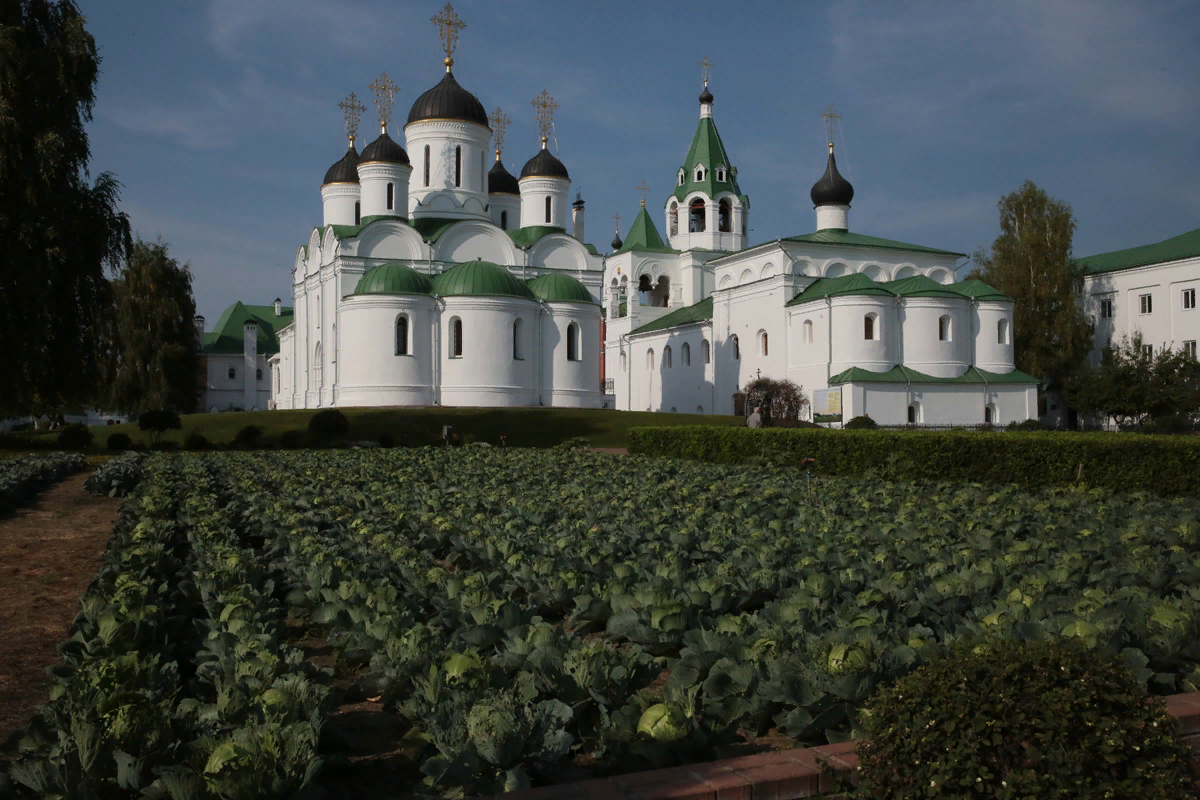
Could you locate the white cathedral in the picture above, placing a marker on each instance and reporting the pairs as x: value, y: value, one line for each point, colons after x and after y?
x: 435, y: 280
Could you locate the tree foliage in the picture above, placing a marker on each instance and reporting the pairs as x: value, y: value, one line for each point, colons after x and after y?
x: 154, y: 356
x: 158, y: 422
x: 1135, y: 383
x: 1031, y: 262
x: 59, y: 230
x: 779, y: 400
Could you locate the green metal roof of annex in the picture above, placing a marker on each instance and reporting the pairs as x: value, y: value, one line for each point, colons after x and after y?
x: 1185, y: 245
x: 902, y: 374
x: 919, y: 286
x: 226, y: 337
x: 854, y: 283
x: 841, y: 237
x: 978, y: 290
x: 393, y: 279
x: 480, y: 278
x: 688, y: 315
x: 559, y: 288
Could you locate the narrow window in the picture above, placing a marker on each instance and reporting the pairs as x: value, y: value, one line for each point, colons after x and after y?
x: 547, y: 210
x: 1148, y: 350
x: 391, y: 196
x: 674, y: 217
x: 573, y: 342
x: 456, y: 338
x: 426, y: 165
x: 503, y: 220
x: 685, y: 353
x: 944, y: 328
x: 707, y: 351
x: 458, y: 166
x: 681, y: 177
x: 1002, y: 332
x: 699, y: 173
x: 482, y: 171
x: 258, y: 374
x: 914, y: 413
x: 987, y: 415
x: 1189, y: 347
x: 667, y: 357
x: 650, y: 359
x: 357, y: 214
x: 737, y: 350
x: 623, y: 364
x: 762, y: 343
x: 232, y: 373
x: 1106, y: 309
x: 1189, y: 299
x: 808, y: 331
x: 401, y: 335
x: 696, y: 216
x: 724, y: 217
x: 517, y: 339
x: 1147, y: 304
x: 869, y: 327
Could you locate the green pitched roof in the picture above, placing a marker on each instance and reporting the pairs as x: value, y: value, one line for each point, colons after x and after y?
x: 227, y: 337
x: 854, y: 283
x: 841, y: 237
x: 902, y: 374
x: 700, y: 312
x: 351, y: 231
x: 480, y: 278
x: 532, y: 234
x: 643, y: 236
x: 393, y: 279
x: 1185, y: 245
x: 707, y: 149
x: 560, y: 288
x: 978, y: 290
x: 920, y: 286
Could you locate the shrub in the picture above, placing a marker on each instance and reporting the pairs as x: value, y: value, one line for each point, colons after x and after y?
x: 779, y: 400
x: 863, y: 423
x: 328, y: 424
x: 1002, y: 718
x: 574, y: 443
x: 386, y: 440
x: 158, y: 422
x: 75, y: 437
x: 1027, y: 425
x: 195, y: 440
x: 118, y: 441
x: 248, y: 438
x: 291, y: 440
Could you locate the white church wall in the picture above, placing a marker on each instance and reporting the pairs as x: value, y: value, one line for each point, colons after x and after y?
x: 468, y: 241
x: 389, y: 239
x: 923, y: 350
x: 438, y: 194
x: 993, y: 322
x: 337, y: 203
x: 753, y: 311
x: 570, y: 383
x: 374, y: 178
x: 534, y: 193
x: 847, y: 328
x: 1169, y: 323
x: 965, y: 404
x: 372, y: 373
x: 223, y: 393
x: 559, y: 251
x: 682, y: 382
x: 505, y: 210
x: 487, y: 374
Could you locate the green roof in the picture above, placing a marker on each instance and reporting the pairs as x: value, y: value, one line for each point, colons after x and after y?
x: 841, y: 237
x: 591, y: 248
x: 920, y: 286
x: 351, y: 231
x: 1185, y: 245
x: 902, y: 374
x: 643, y: 236
x: 393, y: 279
x: 854, y: 283
x: 688, y: 315
x: 227, y: 336
x: 530, y: 235
x: 431, y: 228
x: 707, y: 149
x: 480, y: 278
x: 560, y: 288
x: 978, y: 290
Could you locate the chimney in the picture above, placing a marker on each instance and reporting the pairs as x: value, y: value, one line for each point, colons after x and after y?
x: 250, y: 365
x: 199, y: 323
x: 278, y: 306
x: 577, y: 218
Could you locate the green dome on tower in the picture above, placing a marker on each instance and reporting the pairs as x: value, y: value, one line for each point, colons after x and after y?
x: 480, y: 278
x: 393, y: 279
x: 559, y: 288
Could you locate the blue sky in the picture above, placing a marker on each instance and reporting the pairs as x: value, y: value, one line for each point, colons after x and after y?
x: 220, y: 117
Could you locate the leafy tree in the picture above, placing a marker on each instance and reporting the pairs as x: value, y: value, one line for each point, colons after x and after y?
x: 1135, y: 383
x: 1031, y: 262
x: 779, y: 400
x: 59, y: 230
x: 158, y: 422
x: 154, y: 354
x: 328, y: 424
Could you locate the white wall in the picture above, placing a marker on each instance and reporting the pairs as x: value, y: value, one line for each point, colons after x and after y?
x: 922, y: 349
x: 487, y: 374
x: 371, y: 372
x: 1169, y: 323
x: 574, y: 384
x: 224, y: 393
x: 887, y: 403
x: 441, y: 198
x: 534, y: 191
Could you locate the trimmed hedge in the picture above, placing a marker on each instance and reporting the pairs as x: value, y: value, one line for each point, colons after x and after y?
x: 1123, y: 462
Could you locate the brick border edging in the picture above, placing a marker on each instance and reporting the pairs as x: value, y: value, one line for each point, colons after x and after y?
x: 780, y: 775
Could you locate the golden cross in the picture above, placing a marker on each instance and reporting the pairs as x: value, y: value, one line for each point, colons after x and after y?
x: 449, y: 25
x: 543, y: 110
x: 353, y: 109
x: 706, y: 65
x: 499, y: 122
x: 643, y: 189
x: 385, y: 96
x: 830, y: 115
x: 617, y: 222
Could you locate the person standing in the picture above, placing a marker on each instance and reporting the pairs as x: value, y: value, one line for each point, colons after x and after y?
x: 755, y: 419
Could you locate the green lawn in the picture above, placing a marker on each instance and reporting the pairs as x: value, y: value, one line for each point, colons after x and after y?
x: 522, y: 427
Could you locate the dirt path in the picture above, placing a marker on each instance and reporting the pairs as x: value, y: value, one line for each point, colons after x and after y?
x: 49, y: 553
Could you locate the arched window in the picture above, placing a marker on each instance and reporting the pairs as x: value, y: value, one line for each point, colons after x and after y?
x: 681, y: 177
x: 808, y: 331
x: 762, y: 343
x: 426, y: 165
x: 944, y: 328
x: 503, y: 220
x: 667, y: 357
x: 989, y: 414
x: 518, y: 352
x: 673, y: 214
x: 914, y: 413
x: 548, y: 207
x: 573, y: 342
x: 685, y: 354
x: 357, y: 213
x: 1002, y: 332
x: 401, y: 335
x: 869, y: 327
x: 696, y: 216
x: 456, y: 338
x: 624, y: 365
x: 482, y: 171
x: 699, y: 173
x: 391, y: 196
x: 232, y: 374
x: 258, y: 374
x: 707, y: 348
x: 317, y: 364
x: 737, y: 350
x: 724, y: 217
x: 458, y: 166
x: 650, y: 359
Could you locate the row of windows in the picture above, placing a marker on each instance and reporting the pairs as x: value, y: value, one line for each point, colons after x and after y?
x: 1146, y: 303
x: 871, y: 330
x: 700, y: 173
x: 403, y: 346
x: 696, y: 217
x: 233, y: 374
x: 457, y: 171
x: 1189, y: 347
x: 685, y: 354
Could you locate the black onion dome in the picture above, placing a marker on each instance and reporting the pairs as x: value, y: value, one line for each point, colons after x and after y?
x: 500, y: 181
x: 706, y: 95
x: 344, y: 170
x: 616, y: 242
x: 832, y: 189
x: 384, y: 149
x: 448, y: 100
x: 544, y: 165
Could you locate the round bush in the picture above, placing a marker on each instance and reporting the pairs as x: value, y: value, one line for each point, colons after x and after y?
x: 118, y: 441
x: 1011, y: 719
x: 386, y: 440
x: 195, y: 440
x: 328, y: 424
x: 248, y: 438
x: 291, y: 440
x: 860, y: 423
x: 75, y: 437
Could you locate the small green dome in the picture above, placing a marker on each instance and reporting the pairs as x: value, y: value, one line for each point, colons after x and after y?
x: 393, y: 279
x: 558, y: 288
x: 480, y: 278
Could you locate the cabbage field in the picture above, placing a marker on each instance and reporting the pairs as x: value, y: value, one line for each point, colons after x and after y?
x: 525, y: 609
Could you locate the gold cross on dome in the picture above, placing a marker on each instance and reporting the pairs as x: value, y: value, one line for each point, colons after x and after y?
x: 830, y: 116
x: 499, y: 123
x: 705, y: 65
x: 643, y: 189
x: 543, y: 111
x: 385, y: 96
x: 617, y: 222
x: 353, y: 110
x: 448, y: 24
